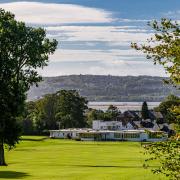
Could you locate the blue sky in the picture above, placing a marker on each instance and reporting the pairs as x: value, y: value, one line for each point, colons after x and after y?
x: 95, y: 35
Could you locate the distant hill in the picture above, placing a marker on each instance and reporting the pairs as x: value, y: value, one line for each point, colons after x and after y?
x: 107, y: 88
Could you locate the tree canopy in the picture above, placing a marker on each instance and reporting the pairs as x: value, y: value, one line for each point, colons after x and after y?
x: 164, y: 47
x: 23, y: 49
x: 71, y: 109
x: 64, y: 109
x: 166, y: 106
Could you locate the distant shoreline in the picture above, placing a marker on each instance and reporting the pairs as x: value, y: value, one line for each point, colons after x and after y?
x: 122, y: 106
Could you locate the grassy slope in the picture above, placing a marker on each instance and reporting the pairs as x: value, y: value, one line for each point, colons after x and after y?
x: 66, y: 159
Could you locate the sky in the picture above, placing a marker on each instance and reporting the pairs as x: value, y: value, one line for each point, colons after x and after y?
x: 95, y: 35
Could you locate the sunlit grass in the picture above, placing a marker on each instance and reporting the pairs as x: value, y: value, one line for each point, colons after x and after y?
x: 38, y: 158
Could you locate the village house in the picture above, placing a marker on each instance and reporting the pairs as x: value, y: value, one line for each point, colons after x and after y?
x: 112, y: 125
x: 112, y: 131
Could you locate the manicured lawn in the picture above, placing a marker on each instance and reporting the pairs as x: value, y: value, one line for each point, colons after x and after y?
x: 37, y: 158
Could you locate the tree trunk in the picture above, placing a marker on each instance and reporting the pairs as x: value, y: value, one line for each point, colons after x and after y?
x: 2, y: 157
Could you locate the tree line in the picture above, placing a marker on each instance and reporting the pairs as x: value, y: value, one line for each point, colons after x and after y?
x: 67, y: 109
x: 63, y: 109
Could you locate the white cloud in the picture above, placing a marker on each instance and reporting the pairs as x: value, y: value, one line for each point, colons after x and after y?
x: 98, y: 33
x: 68, y: 61
x: 93, y: 55
x: 114, y: 62
x: 133, y: 20
x: 49, y: 13
x: 120, y: 69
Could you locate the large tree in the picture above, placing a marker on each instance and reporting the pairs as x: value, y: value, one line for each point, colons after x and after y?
x: 22, y: 50
x: 71, y: 109
x: 45, y: 113
x: 164, y: 48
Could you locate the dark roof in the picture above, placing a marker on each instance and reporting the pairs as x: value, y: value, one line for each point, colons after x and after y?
x: 147, y: 124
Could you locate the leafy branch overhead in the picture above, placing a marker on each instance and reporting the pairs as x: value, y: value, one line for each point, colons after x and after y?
x: 164, y: 47
x: 168, y: 154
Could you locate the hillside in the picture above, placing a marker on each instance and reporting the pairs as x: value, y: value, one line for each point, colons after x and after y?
x: 107, y: 88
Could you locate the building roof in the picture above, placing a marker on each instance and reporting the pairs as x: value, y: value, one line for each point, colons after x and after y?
x: 103, y: 131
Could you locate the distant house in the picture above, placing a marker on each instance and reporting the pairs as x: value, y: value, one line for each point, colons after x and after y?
x: 113, y: 131
x: 156, y: 120
x: 128, y: 126
x: 147, y: 123
x: 112, y: 125
x: 136, y: 115
x: 129, y: 116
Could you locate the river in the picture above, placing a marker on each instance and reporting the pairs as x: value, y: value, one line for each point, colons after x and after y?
x: 122, y: 106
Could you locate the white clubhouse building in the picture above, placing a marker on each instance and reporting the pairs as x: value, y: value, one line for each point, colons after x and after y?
x: 110, y: 131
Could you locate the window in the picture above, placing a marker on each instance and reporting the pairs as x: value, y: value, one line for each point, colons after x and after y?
x: 89, y: 135
x: 118, y: 135
x: 131, y: 135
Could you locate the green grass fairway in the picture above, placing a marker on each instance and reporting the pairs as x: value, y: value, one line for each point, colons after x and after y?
x: 38, y: 158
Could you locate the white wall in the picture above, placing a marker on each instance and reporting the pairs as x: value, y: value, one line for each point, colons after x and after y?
x: 143, y: 136
x: 114, y: 125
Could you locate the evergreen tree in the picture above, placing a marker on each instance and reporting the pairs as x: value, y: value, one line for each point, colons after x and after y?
x: 145, y: 111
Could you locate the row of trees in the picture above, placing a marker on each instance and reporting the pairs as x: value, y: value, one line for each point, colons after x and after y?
x: 64, y: 109
x: 110, y: 114
x: 67, y: 109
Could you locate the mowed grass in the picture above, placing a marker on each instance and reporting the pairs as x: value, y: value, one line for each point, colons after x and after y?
x: 38, y: 158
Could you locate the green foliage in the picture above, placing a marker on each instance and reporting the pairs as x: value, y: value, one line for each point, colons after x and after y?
x: 113, y: 111
x: 94, y: 114
x: 166, y: 106
x: 175, y: 112
x: 27, y: 119
x: 22, y: 50
x: 168, y: 154
x: 64, y: 109
x: 145, y: 111
x: 109, y: 115
x: 70, y: 109
x: 164, y: 47
x: 45, y: 113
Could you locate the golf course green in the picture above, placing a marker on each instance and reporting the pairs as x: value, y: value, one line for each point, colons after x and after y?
x: 40, y: 158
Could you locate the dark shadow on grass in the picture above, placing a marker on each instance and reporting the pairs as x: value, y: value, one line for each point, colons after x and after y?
x: 106, y: 166
x: 25, y: 150
x: 12, y: 175
x: 31, y: 139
